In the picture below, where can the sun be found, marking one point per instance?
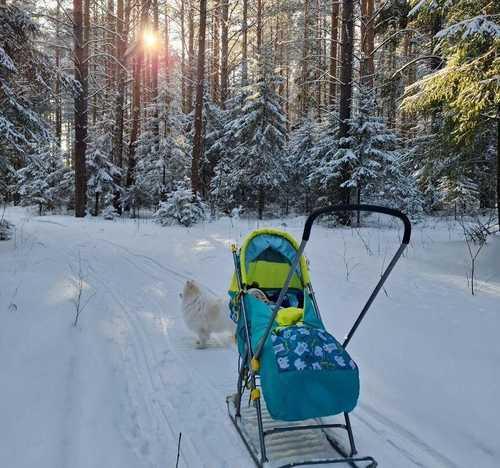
(150, 39)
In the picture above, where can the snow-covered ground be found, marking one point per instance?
(117, 390)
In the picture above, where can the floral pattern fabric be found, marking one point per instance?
(298, 348)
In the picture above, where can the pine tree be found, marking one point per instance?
(301, 161)
(323, 177)
(370, 148)
(459, 193)
(466, 87)
(26, 76)
(182, 206)
(260, 133)
(162, 161)
(102, 173)
(213, 141)
(45, 181)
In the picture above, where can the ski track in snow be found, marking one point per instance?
(152, 380)
(169, 386)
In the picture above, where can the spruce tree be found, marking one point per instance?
(260, 133)
(102, 173)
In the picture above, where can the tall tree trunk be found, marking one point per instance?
(110, 35)
(190, 78)
(136, 117)
(167, 60)
(319, 62)
(198, 117)
(58, 81)
(333, 51)
(216, 18)
(367, 43)
(81, 105)
(287, 76)
(136, 97)
(120, 47)
(224, 70)
(259, 26)
(154, 75)
(346, 76)
(183, 58)
(304, 88)
(91, 51)
(244, 44)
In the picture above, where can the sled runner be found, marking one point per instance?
(304, 373)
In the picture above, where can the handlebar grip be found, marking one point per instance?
(369, 208)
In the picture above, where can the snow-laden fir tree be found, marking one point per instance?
(260, 135)
(369, 149)
(181, 207)
(214, 142)
(379, 167)
(459, 192)
(103, 176)
(300, 161)
(399, 186)
(162, 162)
(26, 80)
(45, 180)
(221, 145)
(369, 162)
(321, 177)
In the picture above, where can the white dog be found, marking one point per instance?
(203, 313)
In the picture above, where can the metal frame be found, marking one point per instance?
(248, 372)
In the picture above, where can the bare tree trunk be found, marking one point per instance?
(183, 59)
(244, 45)
(121, 45)
(198, 117)
(167, 59)
(81, 105)
(91, 51)
(216, 17)
(136, 116)
(367, 43)
(259, 26)
(333, 51)
(58, 80)
(110, 36)
(190, 78)
(224, 71)
(304, 101)
(287, 76)
(319, 62)
(346, 75)
(136, 98)
(154, 75)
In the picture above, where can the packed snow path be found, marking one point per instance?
(117, 390)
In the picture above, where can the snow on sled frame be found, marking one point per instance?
(249, 360)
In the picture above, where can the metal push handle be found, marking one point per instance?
(305, 238)
(369, 208)
(395, 258)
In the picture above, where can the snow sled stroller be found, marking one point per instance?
(304, 373)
